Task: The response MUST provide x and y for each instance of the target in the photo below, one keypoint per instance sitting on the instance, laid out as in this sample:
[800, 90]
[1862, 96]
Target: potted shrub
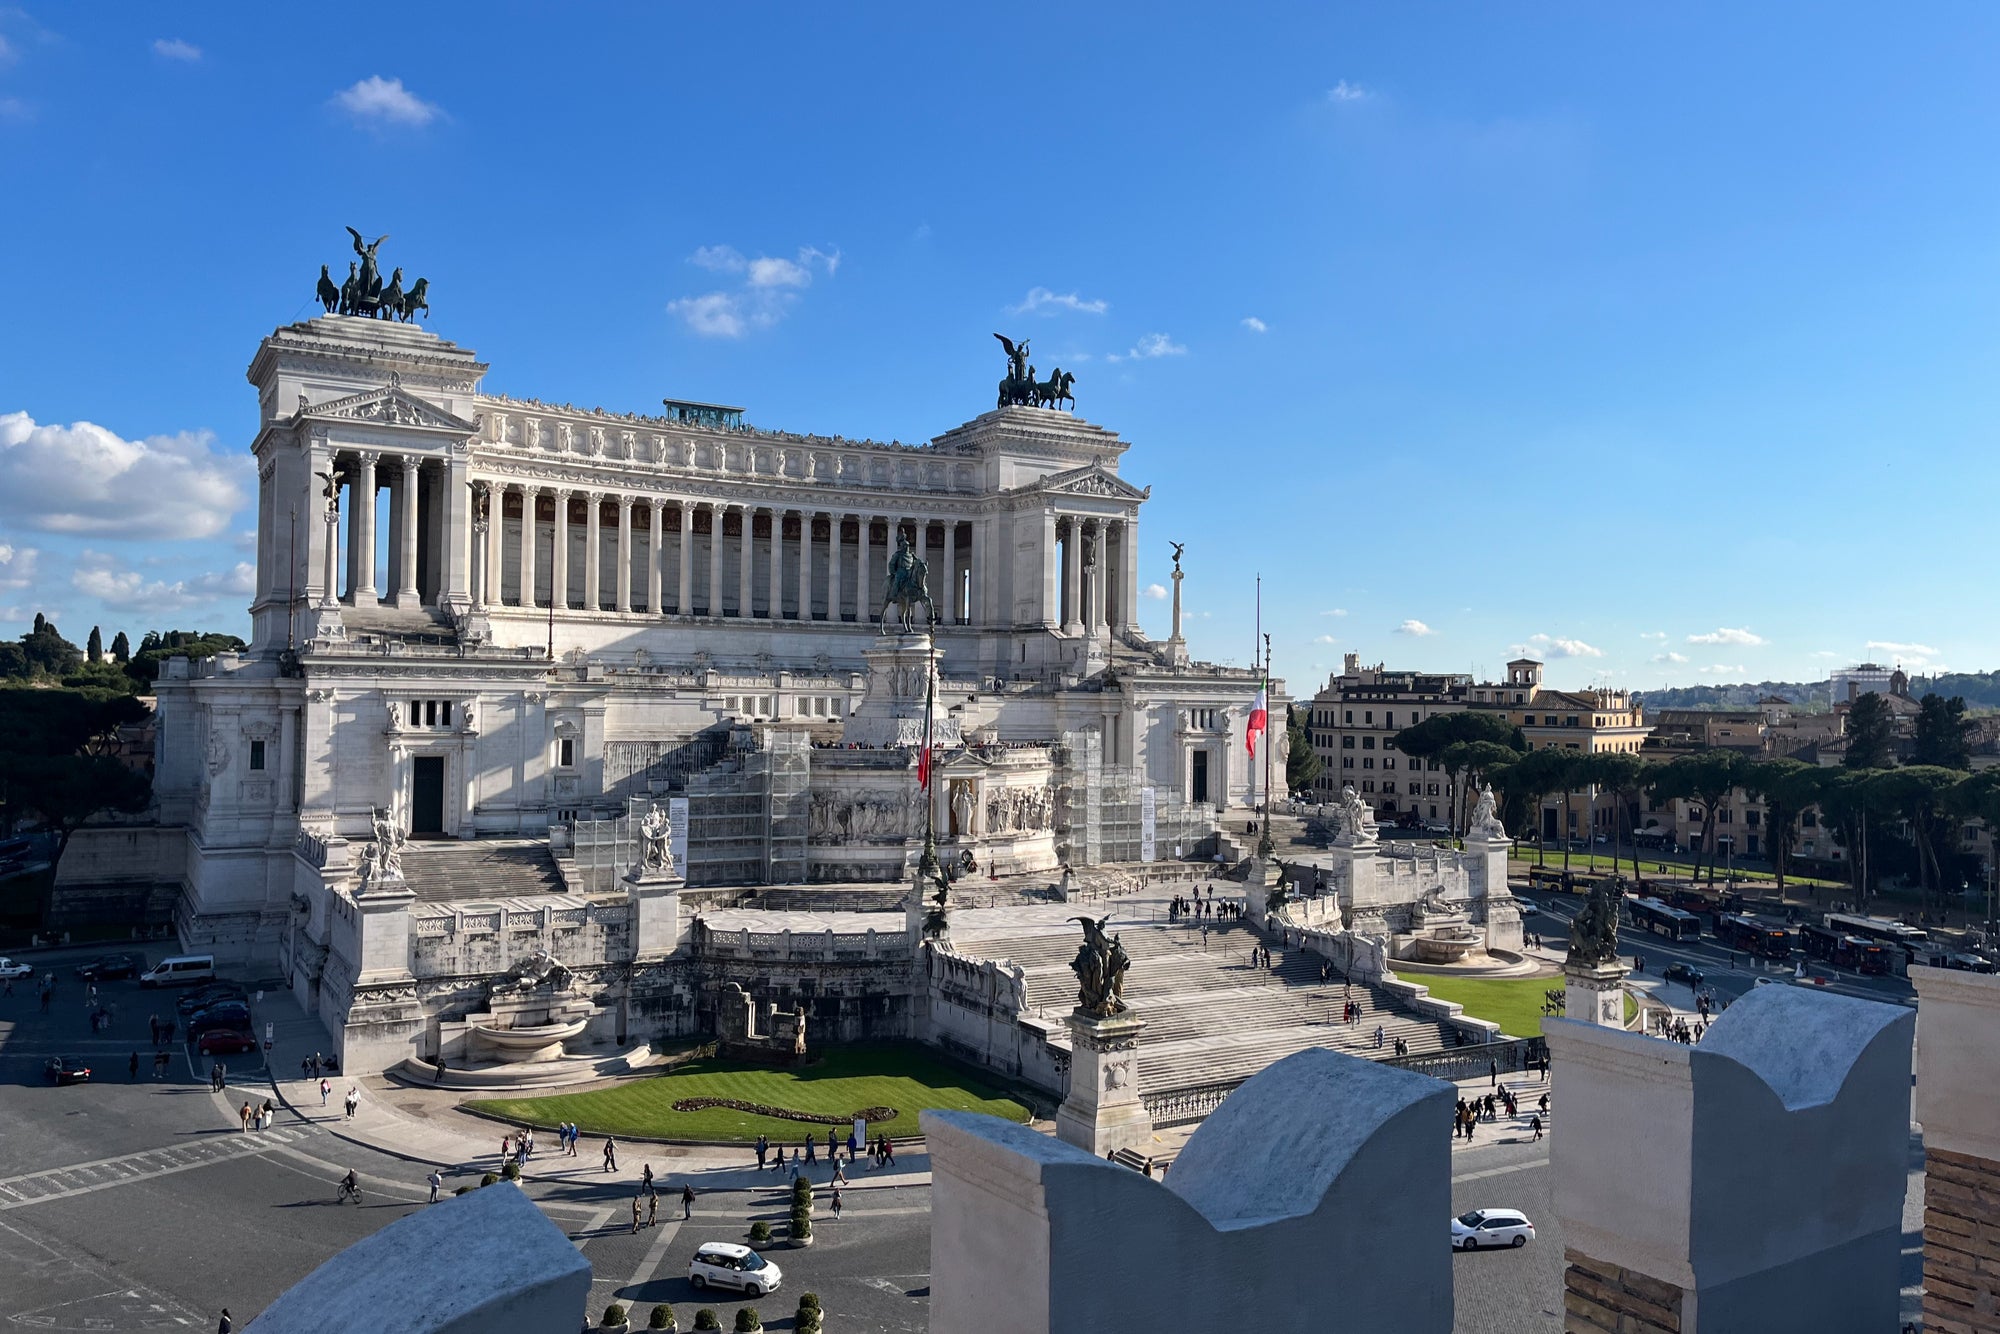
[801, 1229]
[705, 1319]
[760, 1233]
[511, 1172]
[488, 1179]
[802, 1193]
[662, 1317]
[808, 1320]
[748, 1321]
[614, 1321]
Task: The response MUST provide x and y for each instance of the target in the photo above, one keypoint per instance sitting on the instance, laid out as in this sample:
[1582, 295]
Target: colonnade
[1095, 568]
[421, 516]
[612, 552]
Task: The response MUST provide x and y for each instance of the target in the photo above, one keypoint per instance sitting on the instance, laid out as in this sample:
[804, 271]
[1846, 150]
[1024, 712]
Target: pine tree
[94, 646]
[121, 648]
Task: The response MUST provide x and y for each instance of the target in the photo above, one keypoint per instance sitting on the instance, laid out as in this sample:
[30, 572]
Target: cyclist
[349, 1186]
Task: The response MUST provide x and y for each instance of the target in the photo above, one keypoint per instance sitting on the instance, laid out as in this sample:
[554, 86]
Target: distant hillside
[1981, 690]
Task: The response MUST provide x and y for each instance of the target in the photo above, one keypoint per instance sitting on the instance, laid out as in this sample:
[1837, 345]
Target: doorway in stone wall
[1198, 778]
[427, 797]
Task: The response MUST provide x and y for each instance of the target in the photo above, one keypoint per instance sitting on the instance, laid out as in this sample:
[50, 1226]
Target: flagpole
[1256, 638]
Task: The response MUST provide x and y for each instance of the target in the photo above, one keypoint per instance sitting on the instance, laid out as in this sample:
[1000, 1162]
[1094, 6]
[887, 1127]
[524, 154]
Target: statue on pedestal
[656, 834]
[1593, 935]
[908, 585]
[1099, 966]
[1485, 822]
[387, 848]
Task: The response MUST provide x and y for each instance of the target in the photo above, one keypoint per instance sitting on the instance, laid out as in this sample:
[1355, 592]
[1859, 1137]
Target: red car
[225, 1042]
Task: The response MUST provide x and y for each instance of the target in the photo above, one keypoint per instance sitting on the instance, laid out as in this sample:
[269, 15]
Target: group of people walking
[1201, 907]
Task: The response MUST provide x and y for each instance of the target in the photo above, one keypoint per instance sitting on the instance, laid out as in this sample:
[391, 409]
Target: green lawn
[1514, 1003]
[842, 1082]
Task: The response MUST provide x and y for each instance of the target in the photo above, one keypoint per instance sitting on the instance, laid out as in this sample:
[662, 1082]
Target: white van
[179, 970]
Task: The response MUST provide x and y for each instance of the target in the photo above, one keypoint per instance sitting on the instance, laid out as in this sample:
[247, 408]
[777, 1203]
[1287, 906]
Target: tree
[1429, 740]
[1940, 737]
[121, 649]
[1706, 777]
[1869, 730]
[94, 647]
[1302, 763]
[1469, 762]
[1622, 774]
[46, 653]
[1844, 803]
[1787, 787]
[1918, 794]
[55, 760]
[156, 648]
[1532, 777]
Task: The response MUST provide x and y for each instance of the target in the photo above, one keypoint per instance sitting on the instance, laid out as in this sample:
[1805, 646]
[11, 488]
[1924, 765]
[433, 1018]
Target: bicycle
[346, 1193]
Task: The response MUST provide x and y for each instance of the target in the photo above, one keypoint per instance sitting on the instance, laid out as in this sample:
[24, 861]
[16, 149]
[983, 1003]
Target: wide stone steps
[482, 869]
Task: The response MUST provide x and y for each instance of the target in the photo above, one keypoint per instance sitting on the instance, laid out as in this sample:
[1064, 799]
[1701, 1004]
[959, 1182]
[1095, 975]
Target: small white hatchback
[723, 1264]
[1491, 1227]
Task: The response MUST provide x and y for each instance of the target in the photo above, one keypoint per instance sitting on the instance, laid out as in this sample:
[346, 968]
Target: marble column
[948, 563]
[866, 595]
[480, 529]
[363, 532]
[455, 548]
[834, 523]
[1072, 556]
[1051, 609]
[529, 496]
[1099, 576]
[684, 523]
[406, 520]
[350, 473]
[975, 595]
[774, 582]
[1128, 601]
[805, 564]
[654, 532]
[715, 560]
[559, 563]
[489, 589]
[593, 551]
[746, 560]
[329, 591]
[623, 588]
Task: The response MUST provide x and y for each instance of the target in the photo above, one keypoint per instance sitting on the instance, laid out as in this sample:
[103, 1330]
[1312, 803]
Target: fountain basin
[1446, 946]
[532, 1042]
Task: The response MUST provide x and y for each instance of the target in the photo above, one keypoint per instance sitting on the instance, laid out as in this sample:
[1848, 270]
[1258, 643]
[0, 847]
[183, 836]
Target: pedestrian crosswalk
[61, 1183]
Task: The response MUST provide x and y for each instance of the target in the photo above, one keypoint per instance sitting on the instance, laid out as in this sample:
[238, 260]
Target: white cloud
[1416, 629]
[771, 283]
[1907, 650]
[1727, 636]
[1334, 611]
[122, 588]
[1041, 299]
[1253, 324]
[1670, 657]
[1152, 345]
[17, 566]
[173, 48]
[1347, 92]
[81, 478]
[1325, 639]
[1154, 591]
[1653, 634]
[1826, 653]
[379, 101]
[1556, 647]
[1722, 669]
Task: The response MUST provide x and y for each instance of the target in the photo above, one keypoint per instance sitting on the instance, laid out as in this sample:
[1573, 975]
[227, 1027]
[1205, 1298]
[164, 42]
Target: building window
[1347, 743]
[1388, 785]
[1369, 717]
[1368, 743]
[1724, 816]
[1570, 721]
[1367, 785]
[1389, 718]
[1750, 817]
[1350, 717]
[1432, 792]
[1368, 763]
[256, 754]
[565, 753]
[1347, 761]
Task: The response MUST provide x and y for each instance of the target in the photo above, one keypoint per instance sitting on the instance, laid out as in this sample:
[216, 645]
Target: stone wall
[1601, 1298]
[978, 1012]
[1961, 1243]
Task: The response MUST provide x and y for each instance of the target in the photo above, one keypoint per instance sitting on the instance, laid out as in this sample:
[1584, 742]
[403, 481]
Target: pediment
[1093, 479]
[390, 406]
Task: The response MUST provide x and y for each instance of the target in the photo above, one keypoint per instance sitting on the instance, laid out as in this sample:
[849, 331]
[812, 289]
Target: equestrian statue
[1021, 388]
[908, 586]
[365, 294]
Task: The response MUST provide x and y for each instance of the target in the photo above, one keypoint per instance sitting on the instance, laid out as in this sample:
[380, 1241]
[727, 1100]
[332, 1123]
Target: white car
[10, 969]
[1483, 1228]
[724, 1264]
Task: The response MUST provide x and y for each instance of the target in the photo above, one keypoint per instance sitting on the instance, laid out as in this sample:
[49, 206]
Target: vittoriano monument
[1099, 966]
[1021, 389]
[364, 293]
[907, 587]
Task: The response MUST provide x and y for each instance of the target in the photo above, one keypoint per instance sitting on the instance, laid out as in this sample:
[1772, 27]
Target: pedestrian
[438, 1077]
[635, 1212]
[832, 1149]
[1493, 1069]
[1544, 1104]
[575, 1137]
[527, 1145]
[160, 1061]
[778, 1159]
[646, 1177]
[244, 1117]
[652, 1206]
[1535, 1124]
[226, 1324]
[687, 1202]
[152, 1025]
[132, 1068]
[839, 1174]
[324, 1089]
[888, 1152]
[1378, 1035]
[809, 1148]
[1638, 963]
[506, 1149]
[763, 1151]
[836, 1202]
[610, 1154]
[270, 1114]
[353, 1101]
[436, 1180]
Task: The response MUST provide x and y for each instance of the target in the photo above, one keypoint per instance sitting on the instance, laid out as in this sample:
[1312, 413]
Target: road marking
[591, 1227]
[61, 1183]
[159, 1309]
[1500, 1171]
[656, 1253]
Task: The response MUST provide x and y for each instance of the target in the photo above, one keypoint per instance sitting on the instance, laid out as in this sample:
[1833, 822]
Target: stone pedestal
[382, 926]
[1102, 1113]
[655, 900]
[1176, 646]
[901, 669]
[1958, 1085]
[1595, 993]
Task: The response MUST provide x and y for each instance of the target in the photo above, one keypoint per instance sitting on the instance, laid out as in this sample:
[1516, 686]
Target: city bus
[1695, 899]
[1842, 950]
[1662, 920]
[1910, 940]
[1556, 881]
[1754, 935]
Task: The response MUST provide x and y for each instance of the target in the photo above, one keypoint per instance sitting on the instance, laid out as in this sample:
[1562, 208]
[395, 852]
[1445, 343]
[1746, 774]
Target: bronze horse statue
[908, 586]
[414, 300]
[1054, 391]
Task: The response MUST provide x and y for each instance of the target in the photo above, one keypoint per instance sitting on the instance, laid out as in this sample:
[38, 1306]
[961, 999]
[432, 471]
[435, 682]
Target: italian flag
[1259, 718]
[924, 767]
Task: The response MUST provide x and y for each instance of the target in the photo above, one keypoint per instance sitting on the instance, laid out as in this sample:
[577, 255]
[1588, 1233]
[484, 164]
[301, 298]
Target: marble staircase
[482, 869]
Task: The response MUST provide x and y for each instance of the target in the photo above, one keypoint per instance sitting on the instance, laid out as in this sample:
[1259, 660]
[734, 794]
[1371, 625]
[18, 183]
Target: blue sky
[1659, 342]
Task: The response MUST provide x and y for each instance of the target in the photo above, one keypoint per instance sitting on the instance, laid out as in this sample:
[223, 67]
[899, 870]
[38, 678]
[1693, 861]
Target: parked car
[1483, 1228]
[226, 1042]
[10, 969]
[109, 966]
[1528, 909]
[66, 1070]
[724, 1264]
[213, 994]
[229, 1014]
[1680, 972]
